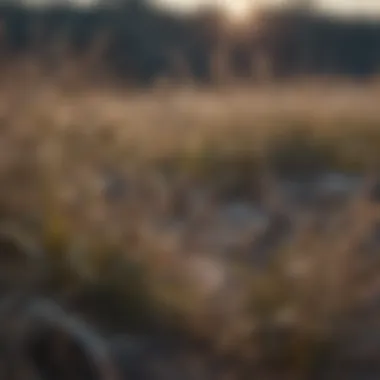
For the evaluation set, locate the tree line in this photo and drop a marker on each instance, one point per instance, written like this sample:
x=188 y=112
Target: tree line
x=137 y=43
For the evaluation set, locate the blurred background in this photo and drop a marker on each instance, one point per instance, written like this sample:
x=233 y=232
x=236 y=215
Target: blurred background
x=189 y=189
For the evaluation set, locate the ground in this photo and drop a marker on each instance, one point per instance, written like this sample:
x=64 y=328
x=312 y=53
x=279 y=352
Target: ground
x=230 y=217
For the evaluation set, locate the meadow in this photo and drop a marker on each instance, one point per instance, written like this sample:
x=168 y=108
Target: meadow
x=236 y=226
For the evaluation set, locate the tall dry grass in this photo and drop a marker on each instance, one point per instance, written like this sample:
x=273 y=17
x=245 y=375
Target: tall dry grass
x=117 y=201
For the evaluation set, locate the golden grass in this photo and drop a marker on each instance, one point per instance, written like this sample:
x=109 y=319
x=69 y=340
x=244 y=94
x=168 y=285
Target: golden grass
x=59 y=148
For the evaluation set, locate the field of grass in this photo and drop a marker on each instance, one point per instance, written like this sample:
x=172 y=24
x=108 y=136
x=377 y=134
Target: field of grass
x=163 y=213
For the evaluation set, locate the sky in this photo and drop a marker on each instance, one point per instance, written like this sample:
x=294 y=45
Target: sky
x=239 y=7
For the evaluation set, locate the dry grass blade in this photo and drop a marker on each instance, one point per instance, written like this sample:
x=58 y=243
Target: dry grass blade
x=42 y=341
